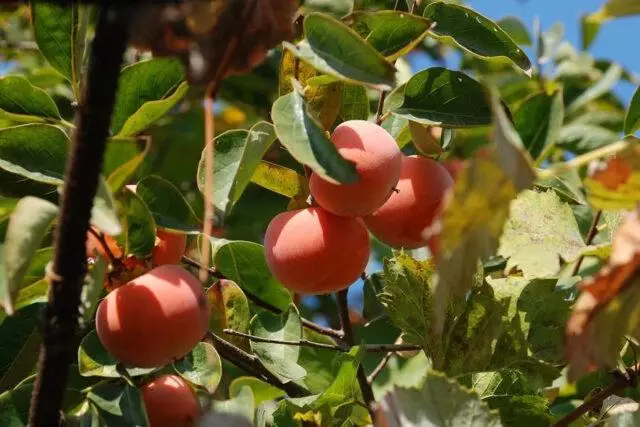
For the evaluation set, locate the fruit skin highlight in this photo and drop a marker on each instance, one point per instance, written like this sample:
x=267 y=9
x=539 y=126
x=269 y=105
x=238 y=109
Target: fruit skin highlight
x=170 y=402
x=169 y=248
x=378 y=162
x=401 y=220
x=312 y=251
x=155 y=318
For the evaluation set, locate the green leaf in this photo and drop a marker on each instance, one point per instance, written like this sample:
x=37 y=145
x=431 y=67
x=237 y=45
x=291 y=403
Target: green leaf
x=390 y=32
x=241 y=404
x=540 y=231
x=120 y=404
x=28 y=225
x=538 y=121
x=408 y=298
x=92 y=289
x=169 y=207
x=202 y=366
x=530 y=411
x=441 y=97
x=609 y=79
x=616 y=9
x=280 y=359
x=103 y=212
x=344 y=54
x=475 y=33
x=34 y=151
x=439 y=401
x=632 y=119
x=244 y=263
x=262 y=391
x=499 y=383
x=229 y=310
x=355 y=103
x=318 y=362
x=147 y=91
x=307 y=141
x=238 y=154
x=581 y=138
x=516 y=29
x=139 y=224
x=60 y=33
x=14 y=406
x=345 y=388
x=23 y=102
x=124 y=170
x=337 y=8
x=95 y=361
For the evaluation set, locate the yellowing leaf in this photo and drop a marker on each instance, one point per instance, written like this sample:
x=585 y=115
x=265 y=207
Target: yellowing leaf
x=280 y=179
x=540 y=230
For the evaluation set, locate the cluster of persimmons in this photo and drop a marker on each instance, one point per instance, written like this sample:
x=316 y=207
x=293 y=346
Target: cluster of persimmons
x=325 y=248
x=154 y=319
x=157 y=312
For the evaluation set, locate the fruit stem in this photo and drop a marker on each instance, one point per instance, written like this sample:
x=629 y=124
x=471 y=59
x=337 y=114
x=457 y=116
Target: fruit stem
x=60 y=324
x=103 y=242
x=342 y=299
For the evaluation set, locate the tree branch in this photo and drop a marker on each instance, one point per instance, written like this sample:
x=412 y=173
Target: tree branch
x=263 y=304
x=379 y=114
x=378 y=369
x=593 y=232
x=252 y=365
x=343 y=314
x=620 y=383
x=83 y=168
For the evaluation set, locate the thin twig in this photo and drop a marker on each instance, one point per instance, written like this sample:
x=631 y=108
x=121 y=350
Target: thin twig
x=301 y=343
x=60 y=323
x=343 y=314
x=378 y=369
x=593 y=232
x=620 y=383
x=380 y=116
x=251 y=364
x=263 y=304
x=383 y=348
x=103 y=242
x=582 y=160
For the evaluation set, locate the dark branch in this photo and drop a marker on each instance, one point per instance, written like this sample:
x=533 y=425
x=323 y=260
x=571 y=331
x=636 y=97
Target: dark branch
x=83 y=168
x=263 y=304
x=378 y=369
x=343 y=314
x=251 y=364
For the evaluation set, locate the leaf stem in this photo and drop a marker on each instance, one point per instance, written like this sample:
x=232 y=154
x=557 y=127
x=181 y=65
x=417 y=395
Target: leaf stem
x=60 y=324
x=263 y=304
x=380 y=116
x=251 y=364
x=343 y=314
x=593 y=232
x=620 y=383
x=378 y=369
x=582 y=160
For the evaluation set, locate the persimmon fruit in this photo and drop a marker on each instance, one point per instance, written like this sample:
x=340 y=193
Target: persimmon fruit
x=155 y=318
x=312 y=251
x=170 y=402
x=414 y=205
x=169 y=248
x=377 y=160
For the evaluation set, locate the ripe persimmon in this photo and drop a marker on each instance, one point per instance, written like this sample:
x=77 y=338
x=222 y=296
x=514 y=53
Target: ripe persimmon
x=170 y=402
x=170 y=247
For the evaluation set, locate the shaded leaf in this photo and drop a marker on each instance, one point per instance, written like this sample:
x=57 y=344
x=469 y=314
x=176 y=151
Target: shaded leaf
x=262 y=391
x=516 y=30
x=119 y=404
x=632 y=119
x=28 y=225
x=438 y=401
x=241 y=404
x=168 y=206
x=95 y=361
x=21 y=101
x=475 y=33
x=441 y=97
x=238 y=154
x=229 y=310
x=139 y=225
x=600 y=88
x=244 y=263
x=92 y=289
x=125 y=169
x=34 y=151
x=355 y=103
x=307 y=141
x=531 y=410
x=392 y=33
x=14 y=406
x=343 y=54
x=280 y=359
x=335 y=7
x=581 y=138
x=538 y=121
x=424 y=139
x=202 y=366
x=539 y=232
x=146 y=91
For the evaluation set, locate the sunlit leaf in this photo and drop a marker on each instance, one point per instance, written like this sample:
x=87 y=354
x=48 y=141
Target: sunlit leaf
x=281 y=180
x=202 y=366
x=241 y=404
x=229 y=310
x=540 y=231
x=516 y=29
x=355 y=103
x=94 y=360
x=632 y=120
x=167 y=204
x=475 y=33
x=20 y=101
x=262 y=391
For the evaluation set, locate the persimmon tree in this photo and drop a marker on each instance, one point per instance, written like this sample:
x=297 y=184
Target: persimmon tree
x=259 y=212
